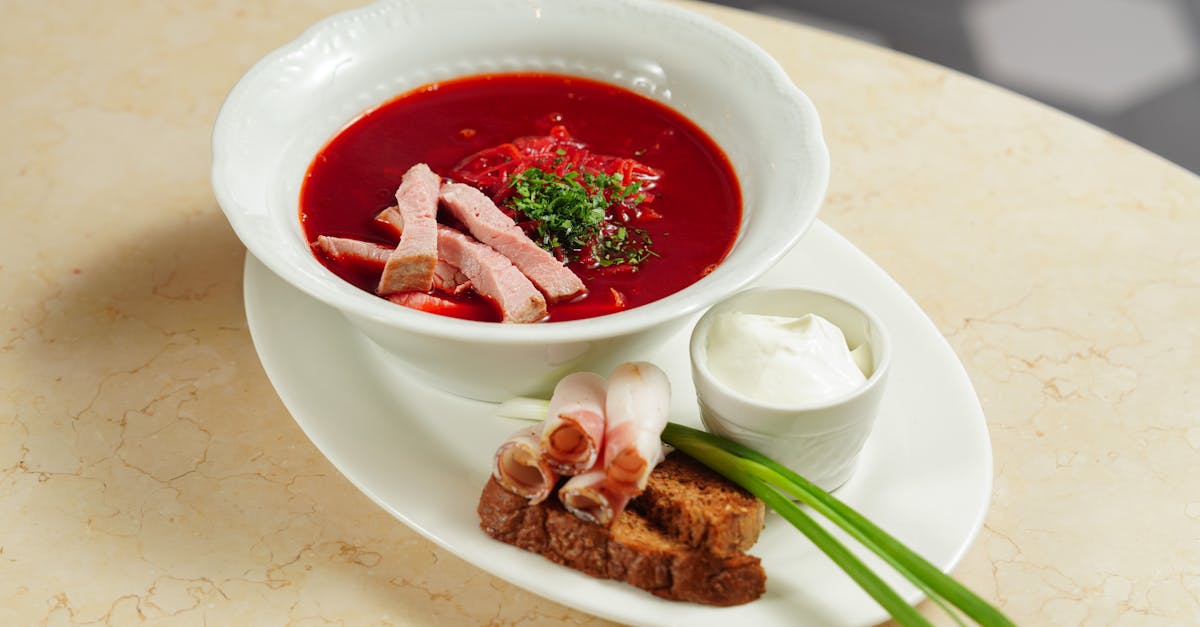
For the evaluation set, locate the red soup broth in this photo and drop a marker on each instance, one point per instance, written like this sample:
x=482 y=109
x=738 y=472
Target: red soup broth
x=355 y=176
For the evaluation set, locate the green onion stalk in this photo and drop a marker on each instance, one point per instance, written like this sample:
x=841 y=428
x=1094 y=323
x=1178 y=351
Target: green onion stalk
x=774 y=484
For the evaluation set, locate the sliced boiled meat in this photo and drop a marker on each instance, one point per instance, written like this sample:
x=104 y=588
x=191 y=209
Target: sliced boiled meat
x=492 y=275
x=446 y=277
x=489 y=225
x=410 y=266
x=352 y=251
x=391 y=220
x=449 y=279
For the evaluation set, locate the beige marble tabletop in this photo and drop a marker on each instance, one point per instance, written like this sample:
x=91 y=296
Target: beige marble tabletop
x=148 y=472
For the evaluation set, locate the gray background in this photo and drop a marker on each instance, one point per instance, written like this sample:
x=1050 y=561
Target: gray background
x=1129 y=66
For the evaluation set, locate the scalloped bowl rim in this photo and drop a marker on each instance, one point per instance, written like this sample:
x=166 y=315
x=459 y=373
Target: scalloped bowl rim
x=723 y=281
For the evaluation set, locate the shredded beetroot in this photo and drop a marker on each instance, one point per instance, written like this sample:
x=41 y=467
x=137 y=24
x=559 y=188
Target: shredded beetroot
x=432 y=303
x=621 y=147
x=491 y=169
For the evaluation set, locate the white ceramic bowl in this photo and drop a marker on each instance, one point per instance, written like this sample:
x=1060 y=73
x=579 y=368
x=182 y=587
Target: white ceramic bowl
x=820 y=441
x=293 y=101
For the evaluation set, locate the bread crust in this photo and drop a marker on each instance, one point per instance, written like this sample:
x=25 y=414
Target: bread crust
x=700 y=508
x=669 y=560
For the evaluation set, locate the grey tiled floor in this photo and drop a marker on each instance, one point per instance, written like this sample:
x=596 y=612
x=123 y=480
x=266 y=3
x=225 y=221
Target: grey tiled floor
x=1130 y=66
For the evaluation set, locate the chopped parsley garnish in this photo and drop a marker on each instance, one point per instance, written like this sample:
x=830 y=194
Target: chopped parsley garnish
x=624 y=246
x=569 y=213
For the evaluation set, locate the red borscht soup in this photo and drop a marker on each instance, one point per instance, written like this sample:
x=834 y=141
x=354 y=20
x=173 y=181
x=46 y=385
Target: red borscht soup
x=632 y=197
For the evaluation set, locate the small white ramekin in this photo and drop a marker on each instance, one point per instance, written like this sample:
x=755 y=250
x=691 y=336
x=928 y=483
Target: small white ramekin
x=820 y=441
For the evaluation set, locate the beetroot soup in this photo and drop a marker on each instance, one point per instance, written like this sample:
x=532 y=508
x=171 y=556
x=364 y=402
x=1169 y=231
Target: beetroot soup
x=631 y=197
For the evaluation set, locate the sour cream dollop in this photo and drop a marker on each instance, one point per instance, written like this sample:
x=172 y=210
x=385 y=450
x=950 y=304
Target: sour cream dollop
x=785 y=360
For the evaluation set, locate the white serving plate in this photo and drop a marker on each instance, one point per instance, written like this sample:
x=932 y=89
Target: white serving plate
x=925 y=473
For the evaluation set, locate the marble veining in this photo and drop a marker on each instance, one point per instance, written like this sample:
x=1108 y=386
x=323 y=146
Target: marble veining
x=148 y=472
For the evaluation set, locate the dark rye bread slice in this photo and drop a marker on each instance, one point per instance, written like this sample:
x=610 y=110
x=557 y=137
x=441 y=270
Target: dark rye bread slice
x=632 y=550
x=682 y=539
x=699 y=508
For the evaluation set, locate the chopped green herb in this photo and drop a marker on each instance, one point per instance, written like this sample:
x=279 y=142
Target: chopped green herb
x=624 y=246
x=570 y=214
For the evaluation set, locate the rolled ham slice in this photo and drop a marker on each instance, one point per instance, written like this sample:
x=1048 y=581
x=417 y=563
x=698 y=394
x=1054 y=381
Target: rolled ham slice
x=518 y=466
x=573 y=433
x=589 y=498
x=489 y=225
x=410 y=266
x=637 y=404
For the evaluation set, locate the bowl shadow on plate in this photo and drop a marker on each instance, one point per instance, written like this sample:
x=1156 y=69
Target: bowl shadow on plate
x=178 y=454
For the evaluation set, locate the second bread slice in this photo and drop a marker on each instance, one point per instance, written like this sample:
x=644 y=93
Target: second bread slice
x=699 y=508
